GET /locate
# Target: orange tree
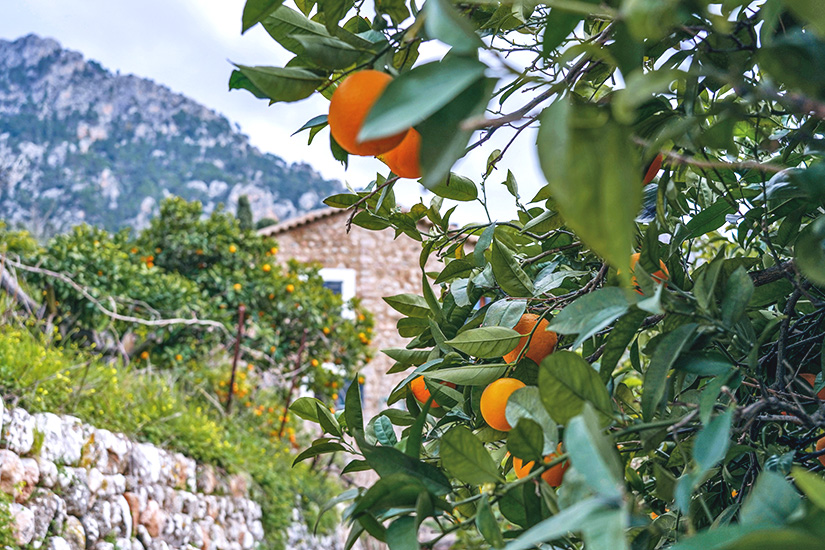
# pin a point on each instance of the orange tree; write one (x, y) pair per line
(680, 407)
(171, 296)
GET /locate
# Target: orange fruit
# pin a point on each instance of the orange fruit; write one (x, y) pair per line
(553, 476)
(811, 379)
(653, 168)
(661, 275)
(819, 446)
(403, 160)
(494, 402)
(542, 343)
(348, 108)
(421, 393)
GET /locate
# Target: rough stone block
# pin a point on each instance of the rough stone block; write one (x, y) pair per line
(23, 528)
(18, 431)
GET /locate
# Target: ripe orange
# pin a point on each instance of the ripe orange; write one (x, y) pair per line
(421, 393)
(553, 476)
(653, 168)
(660, 275)
(494, 402)
(349, 106)
(542, 343)
(820, 445)
(811, 379)
(403, 160)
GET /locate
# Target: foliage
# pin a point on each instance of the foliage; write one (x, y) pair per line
(7, 538)
(244, 213)
(41, 374)
(680, 402)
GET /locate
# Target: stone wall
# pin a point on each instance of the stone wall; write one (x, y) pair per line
(76, 487)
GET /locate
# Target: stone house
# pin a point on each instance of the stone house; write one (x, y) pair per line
(362, 263)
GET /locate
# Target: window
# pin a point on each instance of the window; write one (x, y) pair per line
(341, 281)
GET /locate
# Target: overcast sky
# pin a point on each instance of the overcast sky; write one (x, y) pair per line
(187, 45)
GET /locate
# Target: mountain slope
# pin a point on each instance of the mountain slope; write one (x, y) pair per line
(79, 143)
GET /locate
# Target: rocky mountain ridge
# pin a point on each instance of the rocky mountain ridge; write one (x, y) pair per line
(80, 143)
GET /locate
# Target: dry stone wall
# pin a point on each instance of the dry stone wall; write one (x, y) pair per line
(76, 487)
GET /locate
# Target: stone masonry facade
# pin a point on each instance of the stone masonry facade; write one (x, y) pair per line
(75, 487)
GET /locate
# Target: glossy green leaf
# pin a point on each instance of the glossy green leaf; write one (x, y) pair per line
(708, 219)
(305, 408)
(328, 52)
(315, 450)
(666, 353)
(567, 382)
(486, 342)
(285, 23)
(703, 363)
(282, 84)
(444, 23)
(487, 524)
(712, 441)
(352, 408)
(592, 312)
(239, 81)
(384, 432)
(505, 313)
(569, 520)
(738, 292)
(606, 531)
(388, 461)
(402, 534)
(469, 375)
(620, 337)
(397, 489)
(509, 275)
(772, 501)
(558, 26)
(453, 186)
(809, 252)
(418, 93)
(454, 269)
(526, 440)
(254, 11)
(811, 484)
(464, 457)
(411, 305)
(593, 174)
(594, 454)
(526, 403)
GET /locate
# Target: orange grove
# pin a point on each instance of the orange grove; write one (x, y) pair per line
(348, 108)
(542, 343)
(494, 402)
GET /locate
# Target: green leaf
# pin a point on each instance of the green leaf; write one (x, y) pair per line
(305, 408)
(594, 454)
(408, 356)
(811, 484)
(464, 457)
(617, 342)
(444, 23)
(487, 525)
(486, 342)
(569, 520)
(315, 450)
(664, 356)
(809, 252)
(285, 23)
(453, 186)
(526, 440)
(708, 219)
(396, 489)
(411, 305)
(738, 292)
(412, 447)
(326, 420)
(328, 52)
(334, 11)
(549, 279)
(443, 139)
(418, 93)
(483, 243)
(567, 382)
(469, 375)
(526, 403)
(384, 432)
(343, 200)
(509, 275)
(254, 11)
(606, 531)
(238, 81)
(396, 9)
(704, 363)
(389, 461)
(282, 84)
(559, 24)
(352, 408)
(505, 313)
(454, 269)
(356, 466)
(712, 441)
(592, 172)
(592, 312)
(402, 534)
(771, 502)
(811, 12)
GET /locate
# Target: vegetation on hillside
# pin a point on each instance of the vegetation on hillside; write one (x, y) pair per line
(690, 312)
(154, 335)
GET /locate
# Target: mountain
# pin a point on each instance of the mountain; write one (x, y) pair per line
(79, 143)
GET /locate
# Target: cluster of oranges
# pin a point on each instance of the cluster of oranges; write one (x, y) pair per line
(348, 108)
(539, 343)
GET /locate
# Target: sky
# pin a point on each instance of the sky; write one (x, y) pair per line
(189, 45)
